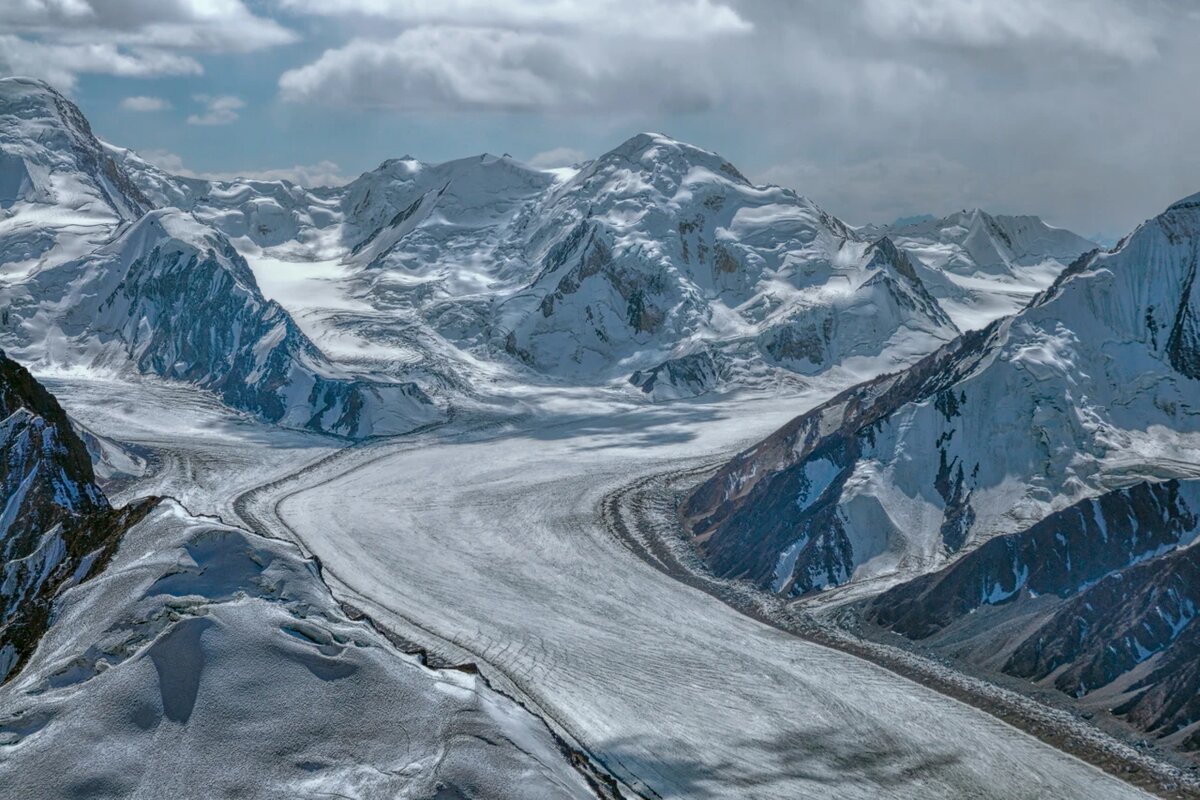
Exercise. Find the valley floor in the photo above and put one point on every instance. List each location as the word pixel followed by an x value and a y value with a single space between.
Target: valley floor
pixel 482 541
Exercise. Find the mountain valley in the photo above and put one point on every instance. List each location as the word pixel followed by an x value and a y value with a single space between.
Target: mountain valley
pixel 343 464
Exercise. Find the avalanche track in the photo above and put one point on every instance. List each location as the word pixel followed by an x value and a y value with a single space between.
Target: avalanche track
pixel 492 544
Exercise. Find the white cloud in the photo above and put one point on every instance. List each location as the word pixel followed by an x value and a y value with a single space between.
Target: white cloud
pixel 34 11
pixel 644 19
pixel 323 173
pixel 168 162
pixel 60 39
pixel 218 110
pixel 1106 27
pixel 534 55
pixel 557 157
pixel 438 67
pixel 872 107
pixel 211 25
pixel 143 102
pixel 429 68
pixel 60 64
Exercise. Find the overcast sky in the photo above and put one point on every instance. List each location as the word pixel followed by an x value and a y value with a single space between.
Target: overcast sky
pixel 1083 111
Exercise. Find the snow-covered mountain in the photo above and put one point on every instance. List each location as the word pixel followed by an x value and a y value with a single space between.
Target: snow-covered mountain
pixel 657 258
pixel 60 192
pixel 252 213
pixel 172 297
pixel 974 242
pixel 56 528
pixel 984 266
pixel 657 266
pixel 655 253
pixel 157 290
pixel 405 214
pixel 1094 386
pixel 1096 600
pixel 659 250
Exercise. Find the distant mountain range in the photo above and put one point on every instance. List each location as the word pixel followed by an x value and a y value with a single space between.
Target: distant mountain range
pixel 657 267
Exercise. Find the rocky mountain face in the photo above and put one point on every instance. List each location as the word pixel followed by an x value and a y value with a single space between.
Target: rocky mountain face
pixel 57 528
pixel 1028 491
pixel 1096 600
pixel 1093 386
pixel 161 291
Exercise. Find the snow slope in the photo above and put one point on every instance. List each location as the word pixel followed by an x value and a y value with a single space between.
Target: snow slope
pixel 172 297
pixel 984 266
pixel 90 277
pixel 658 249
pixel 654 252
pixel 194 625
pixel 60 192
pixel 651 259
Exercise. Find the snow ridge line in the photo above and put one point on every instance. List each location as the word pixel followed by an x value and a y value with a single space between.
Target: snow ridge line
pixel 644 517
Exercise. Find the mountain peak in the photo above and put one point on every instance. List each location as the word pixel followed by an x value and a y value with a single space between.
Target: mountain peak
pixel 17 86
pixel 169 230
pixel 48 154
pixel 885 254
pixel 657 151
pixel 640 142
pixel 1191 201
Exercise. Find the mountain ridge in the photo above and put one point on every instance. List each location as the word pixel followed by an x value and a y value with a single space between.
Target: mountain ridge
pixel 1022 367
pixel 57 527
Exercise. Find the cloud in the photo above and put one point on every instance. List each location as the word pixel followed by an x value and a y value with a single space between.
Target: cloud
pixel 437 67
pixel 874 108
pixel 323 173
pixel 143 102
pixel 218 110
pixel 60 64
pixel 1073 108
pixel 210 25
pixel 532 56
pixel 557 157
pixel 643 19
pixel 1105 27
pixel 60 39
